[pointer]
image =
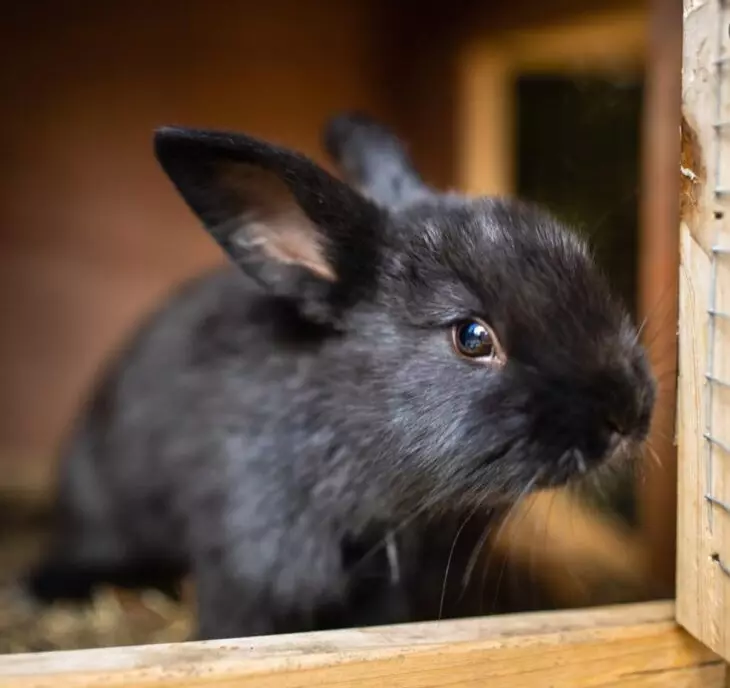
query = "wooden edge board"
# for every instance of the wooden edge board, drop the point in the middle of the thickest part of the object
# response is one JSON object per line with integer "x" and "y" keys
{"x": 631, "y": 645}
{"x": 703, "y": 588}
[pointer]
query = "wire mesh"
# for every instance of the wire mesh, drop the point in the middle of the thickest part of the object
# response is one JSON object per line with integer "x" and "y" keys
{"x": 717, "y": 449}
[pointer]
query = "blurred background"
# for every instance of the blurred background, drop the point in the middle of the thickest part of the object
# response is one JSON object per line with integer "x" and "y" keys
{"x": 571, "y": 103}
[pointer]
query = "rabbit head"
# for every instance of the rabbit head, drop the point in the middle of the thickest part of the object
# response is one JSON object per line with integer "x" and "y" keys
{"x": 472, "y": 341}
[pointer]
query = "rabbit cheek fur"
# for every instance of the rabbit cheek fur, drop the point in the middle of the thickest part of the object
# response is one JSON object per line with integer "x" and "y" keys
{"x": 312, "y": 394}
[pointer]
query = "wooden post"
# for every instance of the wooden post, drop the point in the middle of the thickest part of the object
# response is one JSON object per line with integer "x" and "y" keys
{"x": 703, "y": 525}
{"x": 658, "y": 282}
{"x": 485, "y": 145}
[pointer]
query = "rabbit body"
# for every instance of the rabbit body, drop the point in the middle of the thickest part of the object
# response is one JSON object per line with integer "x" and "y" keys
{"x": 310, "y": 395}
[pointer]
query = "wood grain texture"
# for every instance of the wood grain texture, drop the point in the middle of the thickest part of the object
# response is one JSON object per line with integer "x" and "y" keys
{"x": 632, "y": 646}
{"x": 703, "y": 588}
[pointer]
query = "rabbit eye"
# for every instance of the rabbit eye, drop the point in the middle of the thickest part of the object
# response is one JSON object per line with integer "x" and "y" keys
{"x": 474, "y": 339}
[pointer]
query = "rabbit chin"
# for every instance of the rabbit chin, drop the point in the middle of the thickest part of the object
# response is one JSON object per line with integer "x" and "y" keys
{"x": 504, "y": 488}
{"x": 573, "y": 466}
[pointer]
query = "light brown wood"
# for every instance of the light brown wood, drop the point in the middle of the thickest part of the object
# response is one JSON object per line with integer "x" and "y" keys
{"x": 620, "y": 646}
{"x": 703, "y": 589}
{"x": 582, "y": 557}
{"x": 658, "y": 284}
{"x": 610, "y": 39}
{"x": 485, "y": 147}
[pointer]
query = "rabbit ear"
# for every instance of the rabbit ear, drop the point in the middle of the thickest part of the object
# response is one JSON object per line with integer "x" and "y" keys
{"x": 373, "y": 160}
{"x": 284, "y": 220}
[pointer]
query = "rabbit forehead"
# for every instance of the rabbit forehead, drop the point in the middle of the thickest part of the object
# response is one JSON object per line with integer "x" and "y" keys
{"x": 514, "y": 265}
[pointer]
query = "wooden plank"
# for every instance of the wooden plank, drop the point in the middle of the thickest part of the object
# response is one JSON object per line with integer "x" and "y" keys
{"x": 612, "y": 39}
{"x": 485, "y": 145}
{"x": 658, "y": 284}
{"x": 632, "y": 646}
{"x": 703, "y": 587}
{"x": 596, "y": 39}
{"x": 526, "y": 14}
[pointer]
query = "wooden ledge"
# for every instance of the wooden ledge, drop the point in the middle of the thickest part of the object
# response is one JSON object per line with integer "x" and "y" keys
{"x": 632, "y": 645}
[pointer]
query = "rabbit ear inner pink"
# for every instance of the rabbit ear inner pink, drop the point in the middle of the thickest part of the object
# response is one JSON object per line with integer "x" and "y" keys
{"x": 285, "y": 221}
{"x": 272, "y": 223}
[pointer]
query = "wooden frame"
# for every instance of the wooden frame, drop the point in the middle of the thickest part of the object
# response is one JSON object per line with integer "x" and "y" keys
{"x": 610, "y": 40}
{"x": 630, "y": 645}
{"x": 703, "y": 576}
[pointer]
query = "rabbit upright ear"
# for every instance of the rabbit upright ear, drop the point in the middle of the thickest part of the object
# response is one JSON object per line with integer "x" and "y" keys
{"x": 284, "y": 220}
{"x": 374, "y": 160}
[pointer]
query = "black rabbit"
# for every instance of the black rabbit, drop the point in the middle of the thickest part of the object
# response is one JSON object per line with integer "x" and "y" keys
{"x": 371, "y": 355}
